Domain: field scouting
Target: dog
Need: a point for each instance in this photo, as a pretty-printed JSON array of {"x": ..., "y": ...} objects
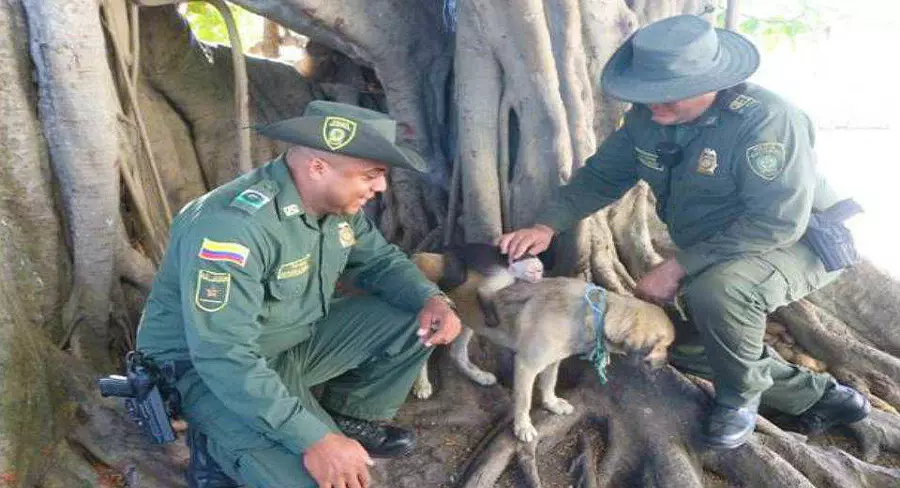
[{"x": 544, "y": 321}]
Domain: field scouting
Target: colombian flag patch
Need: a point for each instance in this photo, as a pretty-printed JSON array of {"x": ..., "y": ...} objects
[{"x": 231, "y": 252}]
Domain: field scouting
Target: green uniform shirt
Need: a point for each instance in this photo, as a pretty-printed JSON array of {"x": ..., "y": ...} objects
[
  {"x": 246, "y": 276},
  {"x": 746, "y": 184}
]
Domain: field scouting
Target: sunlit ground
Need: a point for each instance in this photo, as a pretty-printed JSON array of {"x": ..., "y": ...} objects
[{"x": 847, "y": 81}]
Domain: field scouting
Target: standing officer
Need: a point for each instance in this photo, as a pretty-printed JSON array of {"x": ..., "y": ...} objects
[
  {"x": 242, "y": 307},
  {"x": 733, "y": 171}
]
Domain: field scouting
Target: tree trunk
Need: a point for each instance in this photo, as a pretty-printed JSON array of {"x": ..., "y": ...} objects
[{"x": 501, "y": 93}]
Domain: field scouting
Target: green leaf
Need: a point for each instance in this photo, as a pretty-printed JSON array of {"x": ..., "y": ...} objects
[{"x": 749, "y": 26}]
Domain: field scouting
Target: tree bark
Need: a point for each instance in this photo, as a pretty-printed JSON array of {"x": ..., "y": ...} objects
[{"x": 78, "y": 106}]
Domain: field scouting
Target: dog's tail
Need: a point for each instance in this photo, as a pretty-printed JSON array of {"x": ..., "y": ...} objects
[
  {"x": 486, "y": 260},
  {"x": 459, "y": 264},
  {"x": 447, "y": 270}
]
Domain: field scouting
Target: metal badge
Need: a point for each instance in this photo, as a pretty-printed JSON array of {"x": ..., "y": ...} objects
[
  {"x": 345, "y": 235},
  {"x": 707, "y": 163}
]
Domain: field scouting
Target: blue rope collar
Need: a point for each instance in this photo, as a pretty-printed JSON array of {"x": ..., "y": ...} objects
[{"x": 595, "y": 298}]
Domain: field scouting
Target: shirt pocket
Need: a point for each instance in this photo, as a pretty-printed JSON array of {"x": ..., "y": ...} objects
[
  {"x": 702, "y": 187},
  {"x": 284, "y": 303}
]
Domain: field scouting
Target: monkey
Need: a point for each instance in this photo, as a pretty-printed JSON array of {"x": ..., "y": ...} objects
[{"x": 544, "y": 320}]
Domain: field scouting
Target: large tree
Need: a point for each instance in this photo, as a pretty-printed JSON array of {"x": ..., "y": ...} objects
[{"x": 114, "y": 116}]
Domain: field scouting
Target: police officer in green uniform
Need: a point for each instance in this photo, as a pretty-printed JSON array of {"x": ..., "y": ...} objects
[
  {"x": 734, "y": 173},
  {"x": 243, "y": 307}
]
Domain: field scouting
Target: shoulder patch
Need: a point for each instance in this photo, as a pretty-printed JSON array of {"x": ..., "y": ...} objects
[
  {"x": 766, "y": 159},
  {"x": 256, "y": 197},
  {"x": 230, "y": 252},
  {"x": 743, "y": 104},
  {"x": 212, "y": 291}
]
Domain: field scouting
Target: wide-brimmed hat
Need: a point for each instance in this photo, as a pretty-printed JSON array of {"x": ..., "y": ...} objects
[
  {"x": 677, "y": 58},
  {"x": 348, "y": 130}
]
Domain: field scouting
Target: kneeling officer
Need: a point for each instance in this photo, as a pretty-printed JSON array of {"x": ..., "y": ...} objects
[{"x": 243, "y": 308}]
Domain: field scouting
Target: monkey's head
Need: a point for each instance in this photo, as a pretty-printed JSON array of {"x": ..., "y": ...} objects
[
  {"x": 528, "y": 268},
  {"x": 451, "y": 269}
]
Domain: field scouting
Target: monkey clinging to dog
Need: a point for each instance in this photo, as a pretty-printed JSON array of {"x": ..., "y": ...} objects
[{"x": 544, "y": 320}]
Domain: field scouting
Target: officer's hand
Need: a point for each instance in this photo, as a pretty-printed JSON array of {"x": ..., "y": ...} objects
[
  {"x": 661, "y": 284},
  {"x": 337, "y": 461},
  {"x": 438, "y": 323},
  {"x": 531, "y": 240}
]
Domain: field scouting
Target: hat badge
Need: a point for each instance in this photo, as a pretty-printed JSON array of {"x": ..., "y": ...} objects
[{"x": 337, "y": 132}]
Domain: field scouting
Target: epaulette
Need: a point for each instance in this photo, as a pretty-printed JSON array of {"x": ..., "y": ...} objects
[
  {"x": 736, "y": 101},
  {"x": 255, "y": 197}
]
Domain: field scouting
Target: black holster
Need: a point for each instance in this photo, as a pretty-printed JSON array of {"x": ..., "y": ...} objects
[
  {"x": 203, "y": 471},
  {"x": 827, "y": 236}
]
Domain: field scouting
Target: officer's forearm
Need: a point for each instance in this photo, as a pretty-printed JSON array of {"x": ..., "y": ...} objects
[{"x": 397, "y": 280}]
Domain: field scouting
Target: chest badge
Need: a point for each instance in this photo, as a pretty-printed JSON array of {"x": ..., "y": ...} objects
[
  {"x": 647, "y": 158},
  {"x": 742, "y": 103},
  {"x": 345, "y": 235},
  {"x": 294, "y": 268},
  {"x": 290, "y": 210},
  {"x": 707, "y": 162}
]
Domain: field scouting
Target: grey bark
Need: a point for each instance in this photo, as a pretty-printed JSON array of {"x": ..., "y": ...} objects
[{"x": 78, "y": 109}]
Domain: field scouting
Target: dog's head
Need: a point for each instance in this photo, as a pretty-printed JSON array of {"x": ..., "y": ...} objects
[{"x": 639, "y": 330}]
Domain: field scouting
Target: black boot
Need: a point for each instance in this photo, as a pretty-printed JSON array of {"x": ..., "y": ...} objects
[
  {"x": 380, "y": 440},
  {"x": 203, "y": 471},
  {"x": 729, "y": 427},
  {"x": 839, "y": 405}
]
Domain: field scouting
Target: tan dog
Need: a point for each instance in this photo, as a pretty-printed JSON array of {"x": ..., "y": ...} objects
[{"x": 544, "y": 322}]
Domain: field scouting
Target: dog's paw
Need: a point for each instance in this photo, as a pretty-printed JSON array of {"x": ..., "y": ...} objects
[
  {"x": 483, "y": 378},
  {"x": 559, "y": 406},
  {"x": 524, "y": 430},
  {"x": 422, "y": 389}
]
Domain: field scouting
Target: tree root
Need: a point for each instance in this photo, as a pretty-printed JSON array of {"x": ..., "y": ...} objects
[
  {"x": 489, "y": 464},
  {"x": 877, "y": 433},
  {"x": 851, "y": 361},
  {"x": 583, "y": 466},
  {"x": 651, "y": 426}
]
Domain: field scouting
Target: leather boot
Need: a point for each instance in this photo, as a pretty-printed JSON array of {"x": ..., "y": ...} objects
[
  {"x": 729, "y": 427},
  {"x": 839, "y": 405},
  {"x": 380, "y": 440}
]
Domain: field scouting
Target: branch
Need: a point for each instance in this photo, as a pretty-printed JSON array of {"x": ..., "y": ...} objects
[{"x": 242, "y": 116}]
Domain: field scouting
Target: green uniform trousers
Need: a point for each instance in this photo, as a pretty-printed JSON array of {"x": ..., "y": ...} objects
[
  {"x": 365, "y": 353},
  {"x": 728, "y": 303}
]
